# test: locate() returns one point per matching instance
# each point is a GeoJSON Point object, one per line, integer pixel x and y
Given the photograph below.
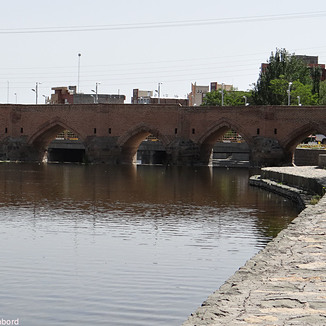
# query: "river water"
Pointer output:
{"type": "Point", "coordinates": [130, 245]}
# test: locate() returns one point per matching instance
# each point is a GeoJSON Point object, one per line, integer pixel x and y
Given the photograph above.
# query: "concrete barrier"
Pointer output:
{"type": "Point", "coordinates": [322, 161]}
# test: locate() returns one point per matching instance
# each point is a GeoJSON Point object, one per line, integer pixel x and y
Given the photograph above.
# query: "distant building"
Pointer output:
{"type": "Point", "coordinates": [101, 99]}
{"type": "Point", "coordinates": [216, 86]}
{"type": "Point", "coordinates": [310, 61]}
{"type": "Point", "coordinates": [62, 95]}
{"type": "Point", "coordinates": [169, 100]}
{"type": "Point", "coordinates": [146, 97]}
{"type": "Point", "coordinates": [68, 95]}
{"type": "Point", "coordinates": [141, 97]}
{"type": "Point", "coordinates": [198, 93]}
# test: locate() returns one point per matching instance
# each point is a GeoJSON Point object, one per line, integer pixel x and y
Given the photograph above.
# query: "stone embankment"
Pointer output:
{"type": "Point", "coordinates": [285, 283]}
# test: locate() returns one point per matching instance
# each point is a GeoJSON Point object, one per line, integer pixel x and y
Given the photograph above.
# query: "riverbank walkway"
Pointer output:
{"type": "Point", "coordinates": [285, 283]}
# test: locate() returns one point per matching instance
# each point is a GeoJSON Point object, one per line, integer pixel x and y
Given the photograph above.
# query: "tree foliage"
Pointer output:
{"type": "Point", "coordinates": [285, 75]}
{"type": "Point", "coordinates": [299, 92]}
{"type": "Point", "coordinates": [322, 93]}
{"type": "Point", "coordinates": [303, 94]}
{"type": "Point", "coordinates": [281, 69]}
{"type": "Point", "coordinates": [230, 98]}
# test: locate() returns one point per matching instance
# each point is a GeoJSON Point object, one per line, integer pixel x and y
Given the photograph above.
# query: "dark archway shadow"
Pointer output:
{"type": "Point", "coordinates": [143, 144]}
{"type": "Point", "coordinates": [214, 136]}
{"type": "Point", "coordinates": [300, 156]}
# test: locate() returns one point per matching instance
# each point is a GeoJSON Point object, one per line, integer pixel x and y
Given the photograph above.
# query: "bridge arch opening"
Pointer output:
{"type": "Point", "coordinates": [143, 146]}
{"type": "Point", "coordinates": [55, 142]}
{"type": "Point", "coordinates": [225, 145]}
{"type": "Point", "coordinates": [305, 144]}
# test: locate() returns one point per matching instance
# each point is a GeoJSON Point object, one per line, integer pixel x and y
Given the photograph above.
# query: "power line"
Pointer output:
{"type": "Point", "coordinates": [164, 24]}
{"type": "Point", "coordinates": [126, 65]}
{"type": "Point", "coordinates": [136, 70]}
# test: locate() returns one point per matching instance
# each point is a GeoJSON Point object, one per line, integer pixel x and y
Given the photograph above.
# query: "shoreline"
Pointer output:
{"type": "Point", "coordinates": [284, 283]}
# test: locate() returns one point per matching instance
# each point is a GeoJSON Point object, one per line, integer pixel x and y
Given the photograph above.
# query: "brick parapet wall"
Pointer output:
{"type": "Point", "coordinates": [270, 132]}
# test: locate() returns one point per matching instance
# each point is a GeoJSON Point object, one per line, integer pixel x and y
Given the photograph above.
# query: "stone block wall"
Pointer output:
{"type": "Point", "coordinates": [307, 157]}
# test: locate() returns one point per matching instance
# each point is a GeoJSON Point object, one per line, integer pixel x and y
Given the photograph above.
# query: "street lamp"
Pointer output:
{"type": "Point", "coordinates": [159, 92]}
{"type": "Point", "coordinates": [289, 93]}
{"type": "Point", "coordinates": [299, 102]}
{"type": "Point", "coordinates": [96, 92]}
{"type": "Point", "coordinates": [36, 91]}
{"type": "Point", "coordinates": [222, 91]}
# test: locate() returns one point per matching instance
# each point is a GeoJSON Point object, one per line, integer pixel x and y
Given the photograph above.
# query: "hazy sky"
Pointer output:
{"type": "Point", "coordinates": [126, 44]}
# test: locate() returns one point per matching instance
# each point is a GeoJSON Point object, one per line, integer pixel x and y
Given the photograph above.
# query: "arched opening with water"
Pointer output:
{"type": "Point", "coordinates": [225, 145]}
{"type": "Point", "coordinates": [143, 146]}
{"type": "Point", "coordinates": [305, 144]}
{"type": "Point", "coordinates": [56, 142]}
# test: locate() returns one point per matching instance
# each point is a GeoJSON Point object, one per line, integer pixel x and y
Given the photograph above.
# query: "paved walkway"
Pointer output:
{"type": "Point", "coordinates": [285, 283]}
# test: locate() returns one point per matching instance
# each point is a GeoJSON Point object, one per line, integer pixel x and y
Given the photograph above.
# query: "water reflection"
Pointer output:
{"type": "Point", "coordinates": [130, 245]}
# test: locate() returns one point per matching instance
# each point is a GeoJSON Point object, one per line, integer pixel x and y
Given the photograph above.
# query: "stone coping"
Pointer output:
{"type": "Point", "coordinates": [306, 172]}
{"type": "Point", "coordinates": [285, 283]}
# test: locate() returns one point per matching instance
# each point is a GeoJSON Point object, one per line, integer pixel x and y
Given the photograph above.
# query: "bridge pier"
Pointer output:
{"type": "Point", "coordinates": [17, 149]}
{"type": "Point", "coordinates": [268, 152]}
{"type": "Point", "coordinates": [103, 150]}
{"type": "Point", "coordinates": [106, 150]}
{"type": "Point", "coordinates": [181, 151]}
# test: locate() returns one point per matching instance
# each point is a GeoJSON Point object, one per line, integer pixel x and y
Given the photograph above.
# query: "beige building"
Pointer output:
{"type": "Point", "coordinates": [198, 93]}
{"type": "Point", "coordinates": [216, 86]}
{"type": "Point", "coordinates": [141, 97]}
{"type": "Point", "coordinates": [146, 97]}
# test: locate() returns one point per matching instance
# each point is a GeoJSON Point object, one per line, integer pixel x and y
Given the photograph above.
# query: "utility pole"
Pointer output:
{"type": "Point", "coordinates": [36, 91]}
{"type": "Point", "coordinates": [159, 93]}
{"type": "Point", "coordinates": [79, 55]}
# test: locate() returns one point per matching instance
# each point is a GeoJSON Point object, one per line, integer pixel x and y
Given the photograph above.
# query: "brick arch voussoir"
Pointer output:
{"type": "Point", "coordinates": [47, 126]}
{"type": "Point", "coordinates": [295, 136]}
{"type": "Point", "coordinates": [223, 124]}
{"type": "Point", "coordinates": [141, 128]}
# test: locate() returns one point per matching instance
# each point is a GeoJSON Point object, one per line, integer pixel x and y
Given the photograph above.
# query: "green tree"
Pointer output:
{"type": "Point", "coordinates": [230, 98]}
{"type": "Point", "coordinates": [281, 66]}
{"type": "Point", "coordinates": [322, 93]}
{"type": "Point", "coordinates": [279, 89]}
{"type": "Point", "coordinates": [305, 94]}
{"type": "Point", "coordinates": [298, 90]}
{"type": "Point", "coordinates": [315, 77]}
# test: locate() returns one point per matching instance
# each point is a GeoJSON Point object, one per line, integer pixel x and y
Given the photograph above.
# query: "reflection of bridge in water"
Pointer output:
{"type": "Point", "coordinates": [224, 154]}
{"type": "Point", "coordinates": [229, 150]}
{"type": "Point", "coordinates": [115, 133]}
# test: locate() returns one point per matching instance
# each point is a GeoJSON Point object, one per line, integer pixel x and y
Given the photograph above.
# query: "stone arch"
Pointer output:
{"type": "Point", "coordinates": [294, 138]}
{"type": "Point", "coordinates": [43, 136]}
{"type": "Point", "coordinates": [130, 141]}
{"type": "Point", "coordinates": [47, 131]}
{"type": "Point", "coordinates": [216, 130]}
{"type": "Point", "coordinates": [290, 142]}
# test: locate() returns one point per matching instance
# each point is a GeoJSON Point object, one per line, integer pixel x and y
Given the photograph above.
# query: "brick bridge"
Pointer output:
{"type": "Point", "coordinates": [113, 133]}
